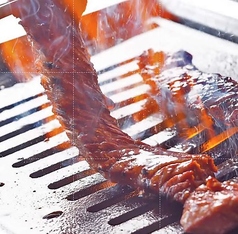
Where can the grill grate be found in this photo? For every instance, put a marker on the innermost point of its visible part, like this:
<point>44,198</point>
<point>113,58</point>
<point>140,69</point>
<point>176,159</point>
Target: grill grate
<point>41,175</point>
<point>44,180</point>
<point>65,178</point>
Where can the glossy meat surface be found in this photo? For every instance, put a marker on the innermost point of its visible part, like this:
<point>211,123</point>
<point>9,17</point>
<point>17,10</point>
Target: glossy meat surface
<point>175,76</point>
<point>212,208</point>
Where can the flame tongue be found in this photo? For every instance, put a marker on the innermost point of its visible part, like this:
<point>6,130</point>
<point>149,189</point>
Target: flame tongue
<point>19,55</point>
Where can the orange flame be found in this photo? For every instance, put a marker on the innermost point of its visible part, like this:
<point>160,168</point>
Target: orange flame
<point>216,140</point>
<point>19,55</point>
<point>75,8</point>
<point>125,20</point>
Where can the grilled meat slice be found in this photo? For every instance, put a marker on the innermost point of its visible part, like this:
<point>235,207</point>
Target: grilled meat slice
<point>175,176</point>
<point>207,102</point>
<point>212,208</point>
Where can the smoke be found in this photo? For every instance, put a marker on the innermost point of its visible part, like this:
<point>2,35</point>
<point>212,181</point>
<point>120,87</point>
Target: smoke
<point>115,24</point>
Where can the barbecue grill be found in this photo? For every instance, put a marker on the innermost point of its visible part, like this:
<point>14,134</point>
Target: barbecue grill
<point>45,184</point>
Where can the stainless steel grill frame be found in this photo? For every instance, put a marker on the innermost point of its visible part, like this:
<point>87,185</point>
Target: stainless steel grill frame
<point>38,177</point>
